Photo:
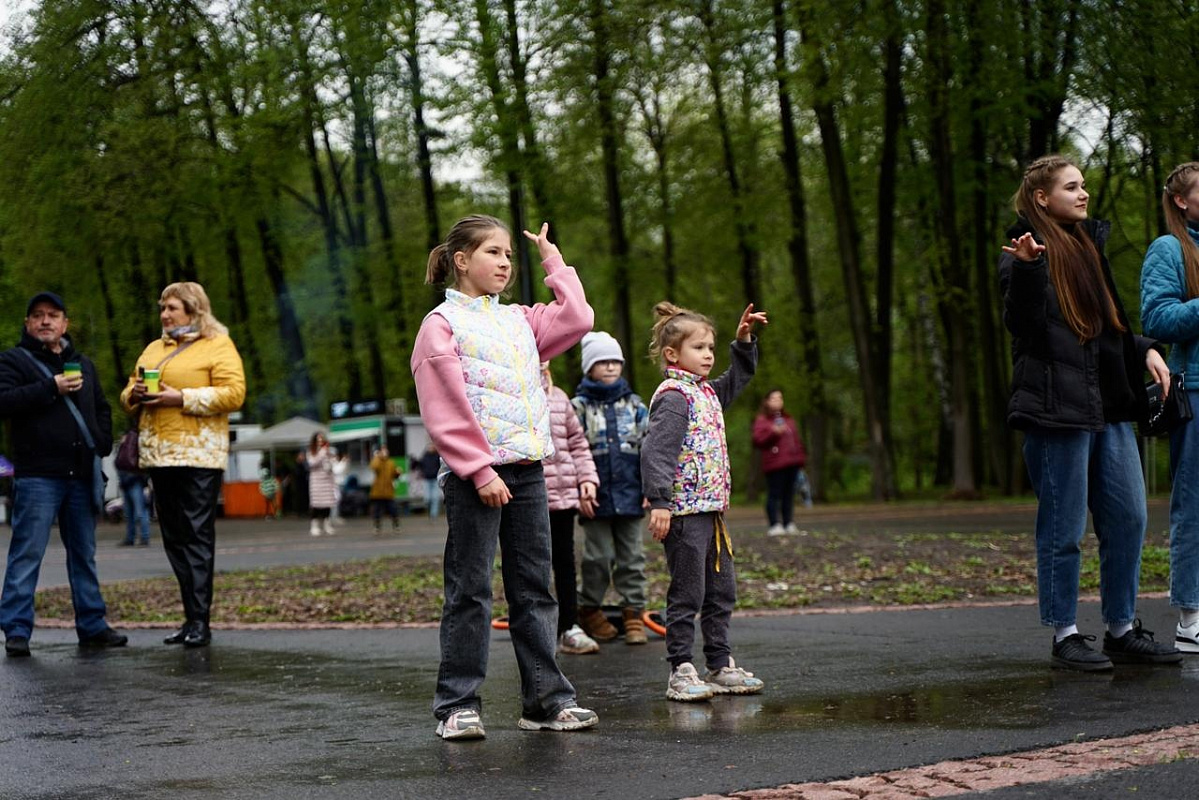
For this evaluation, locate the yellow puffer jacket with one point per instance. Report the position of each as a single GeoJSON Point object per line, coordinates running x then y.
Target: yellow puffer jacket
{"type": "Point", "coordinates": [210, 376]}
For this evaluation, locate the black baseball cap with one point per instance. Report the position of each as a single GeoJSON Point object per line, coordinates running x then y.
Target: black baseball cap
{"type": "Point", "coordinates": [46, 297]}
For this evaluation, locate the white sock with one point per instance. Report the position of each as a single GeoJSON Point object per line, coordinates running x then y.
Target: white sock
{"type": "Point", "coordinates": [1188, 616]}
{"type": "Point", "coordinates": [1119, 630]}
{"type": "Point", "coordinates": [1062, 631]}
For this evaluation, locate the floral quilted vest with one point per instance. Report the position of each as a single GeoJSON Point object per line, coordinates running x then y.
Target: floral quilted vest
{"type": "Point", "coordinates": [501, 366]}
{"type": "Point", "coordinates": [702, 483]}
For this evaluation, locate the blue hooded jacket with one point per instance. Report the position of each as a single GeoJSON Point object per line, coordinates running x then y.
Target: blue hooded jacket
{"type": "Point", "coordinates": [615, 421]}
{"type": "Point", "coordinates": [1167, 314]}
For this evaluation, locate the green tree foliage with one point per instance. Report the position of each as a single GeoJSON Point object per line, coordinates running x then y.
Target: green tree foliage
{"type": "Point", "coordinates": [299, 157]}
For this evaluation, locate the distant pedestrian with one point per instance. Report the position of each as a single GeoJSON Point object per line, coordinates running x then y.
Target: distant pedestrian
{"type": "Point", "coordinates": [429, 465]}
{"type": "Point", "coordinates": [271, 491]}
{"type": "Point", "coordinates": [137, 512]}
{"type": "Point", "coordinates": [685, 471]}
{"type": "Point", "coordinates": [61, 426]}
{"type": "Point", "coordinates": [475, 362]}
{"type": "Point", "coordinates": [1076, 387]}
{"type": "Point", "coordinates": [322, 485]}
{"type": "Point", "coordinates": [570, 481]}
{"type": "Point", "coordinates": [614, 419]}
{"type": "Point", "coordinates": [183, 440]}
{"type": "Point", "coordinates": [1169, 288]}
{"type": "Point", "coordinates": [777, 436]}
{"type": "Point", "coordinates": [383, 489]}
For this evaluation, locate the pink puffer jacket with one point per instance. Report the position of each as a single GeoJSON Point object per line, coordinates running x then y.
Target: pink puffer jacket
{"type": "Point", "coordinates": [571, 462]}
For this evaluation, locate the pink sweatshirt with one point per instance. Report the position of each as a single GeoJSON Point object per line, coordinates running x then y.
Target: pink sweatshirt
{"type": "Point", "coordinates": [441, 388]}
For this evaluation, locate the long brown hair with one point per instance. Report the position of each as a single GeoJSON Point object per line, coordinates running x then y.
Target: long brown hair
{"type": "Point", "coordinates": [1074, 265]}
{"type": "Point", "coordinates": [465, 237]}
{"type": "Point", "coordinates": [1180, 183]}
{"type": "Point", "coordinates": [672, 327]}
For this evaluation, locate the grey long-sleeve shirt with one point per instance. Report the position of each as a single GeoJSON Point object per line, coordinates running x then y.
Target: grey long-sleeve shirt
{"type": "Point", "coordinates": [668, 423]}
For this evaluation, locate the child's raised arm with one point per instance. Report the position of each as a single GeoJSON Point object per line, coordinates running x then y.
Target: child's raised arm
{"type": "Point", "coordinates": [559, 325]}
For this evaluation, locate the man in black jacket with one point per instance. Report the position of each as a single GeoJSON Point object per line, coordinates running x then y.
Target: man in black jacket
{"type": "Point", "coordinates": [61, 426]}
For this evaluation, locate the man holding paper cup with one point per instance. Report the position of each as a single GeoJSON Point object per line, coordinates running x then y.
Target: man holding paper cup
{"type": "Point", "coordinates": [61, 426]}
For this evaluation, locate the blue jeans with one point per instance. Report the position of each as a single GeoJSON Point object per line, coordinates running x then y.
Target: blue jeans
{"type": "Point", "coordinates": [1072, 471]}
{"type": "Point", "coordinates": [522, 528]}
{"type": "Point", "coordinates": [137, 513]}
{"type": "Point", "coordinates": [1184, 513]}
{"type": "Point", "coordinates": [36, 501]}
{"type": "Point", "coordinates": [432, 496]}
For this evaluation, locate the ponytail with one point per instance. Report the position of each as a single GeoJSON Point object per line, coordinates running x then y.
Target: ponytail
{"type": "Point", "coordinates": [1180, 182]}
{"type": "Point", "coordinates": [465, 237]}
{"type": "Point", "coordinates": [672, 327]}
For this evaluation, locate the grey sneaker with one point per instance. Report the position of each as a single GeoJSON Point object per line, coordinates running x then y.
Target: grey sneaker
{"type": "Point", "coordinates": [576, 643]}
{"type": "Point", "coordinates": [733, 680]}
{"type": "Point", "coordinates": [685, 685]}
{"type": "Point", "coordinates": [568, 719]}
{"type": "Point", "coordinates": [462, 724]}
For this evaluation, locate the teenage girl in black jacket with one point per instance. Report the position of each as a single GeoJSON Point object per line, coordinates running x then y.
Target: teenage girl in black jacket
{"type": "Point", "coordinates": [1077, 384]}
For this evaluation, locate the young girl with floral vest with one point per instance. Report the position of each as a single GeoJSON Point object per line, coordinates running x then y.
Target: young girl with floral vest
{"type": "Point", "coordinates": [476, 365]}
{"type": "Point", "coordinates": [685, 477]}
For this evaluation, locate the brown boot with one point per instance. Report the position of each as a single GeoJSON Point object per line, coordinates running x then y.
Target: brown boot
{"type": "Point", "coordinates": [634, 628]}
{"type": "Point", "coordinates": [596, 624]}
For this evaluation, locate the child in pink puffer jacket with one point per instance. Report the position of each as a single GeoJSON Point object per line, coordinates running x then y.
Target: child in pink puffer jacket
{"type": "Point", "coordinates": [570, 483]}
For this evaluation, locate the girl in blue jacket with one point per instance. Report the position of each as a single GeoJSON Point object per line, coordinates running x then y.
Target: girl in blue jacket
{"type": "Point", "coordinates": [1170, 313]}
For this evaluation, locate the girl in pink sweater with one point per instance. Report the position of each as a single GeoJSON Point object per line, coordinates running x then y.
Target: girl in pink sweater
{"type": "Point", "coordinates": [476, 365]}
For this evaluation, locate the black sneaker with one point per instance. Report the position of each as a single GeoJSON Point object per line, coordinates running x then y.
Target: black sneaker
{"type": "Point", "coordinates": [1073, 652]}
{"type": "Point", "coordinates": [105, 638]}
{"type": "Point", "coordinates": [1137, 647]}
{"type": "Point", "coordinates": [17, 646]}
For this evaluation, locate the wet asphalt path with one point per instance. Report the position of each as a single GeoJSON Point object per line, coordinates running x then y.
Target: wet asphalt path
{"type": "Point", "coordinates": [345, 714]}
{"type": "Point", "coordinates": [256, 544]}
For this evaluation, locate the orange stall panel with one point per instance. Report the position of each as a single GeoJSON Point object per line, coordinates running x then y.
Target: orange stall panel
{"type": "Point", "coordinates": [243, 499]}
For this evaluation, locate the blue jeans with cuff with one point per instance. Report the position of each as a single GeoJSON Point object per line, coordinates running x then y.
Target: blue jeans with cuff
{"type": "Point", "coordinates": [1071, 471]}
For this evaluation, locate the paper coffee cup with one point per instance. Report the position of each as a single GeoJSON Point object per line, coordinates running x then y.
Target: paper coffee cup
{"type": "Point", "coordinates": [151, 379]}
{"type": "Point", "coordinates": [72, 369]}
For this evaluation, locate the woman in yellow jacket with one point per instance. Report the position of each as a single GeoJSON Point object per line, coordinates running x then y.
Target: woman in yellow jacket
{"type": "Point", "coordinates": [183, 439]}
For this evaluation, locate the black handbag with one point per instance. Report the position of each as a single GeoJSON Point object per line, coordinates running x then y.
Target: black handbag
{"type": "Point", "coordinates": [127, 452]}
{"type": "Point", "coordinates": [1170, 414]}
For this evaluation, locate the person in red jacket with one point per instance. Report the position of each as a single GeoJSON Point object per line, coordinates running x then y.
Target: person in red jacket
{"type": "Point", "coordinates": [783, 456]}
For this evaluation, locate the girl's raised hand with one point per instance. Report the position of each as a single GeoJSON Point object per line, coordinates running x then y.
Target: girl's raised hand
{"type": "Point", "coordinates": [545, 247]}
{"type": "Point", "coordinates": [1025, 248]}
{"type": "Point", "coordinates": [749, 318]}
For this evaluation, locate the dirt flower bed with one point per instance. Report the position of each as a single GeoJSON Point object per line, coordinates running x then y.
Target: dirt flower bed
{"type": "Point", "coordinates": [812, 569]}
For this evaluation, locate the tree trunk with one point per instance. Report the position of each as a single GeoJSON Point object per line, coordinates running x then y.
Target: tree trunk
{"type": "Point", "coordinates": [883, 486]}
{"type": "Point", "coordinates": [424, 159]}
{"type": "Point", "coordinates": [299, 382]}
{"type": "Point", "coordinates": [816, 416]}
{"type": "Point", "coordinates": [119, 373]}
{"type": "Point", "coordinates": [610, 150]}
{"type": "Point", "coordinates": [341, 305]}
{"type": "Point", "coordinates": [954, 295]}
{"type": "Point", "coordinates": [746, 248]}
{"type": "Point", "coordinates": [535, 166]}
{"type": "Point", "coordinates": [510, 156]}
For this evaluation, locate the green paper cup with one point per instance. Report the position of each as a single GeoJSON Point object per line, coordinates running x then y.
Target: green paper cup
{"type": "Point", "coordinates": [72, 369]}
{"type": "Point", "coordinates": [151, 379]}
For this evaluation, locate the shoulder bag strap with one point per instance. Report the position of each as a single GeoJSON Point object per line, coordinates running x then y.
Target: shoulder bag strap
{"type": "Point", "coordinates": [87, 434]}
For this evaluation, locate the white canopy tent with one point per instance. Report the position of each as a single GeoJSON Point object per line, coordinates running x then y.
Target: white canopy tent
{"type": "Point", "coordinates": [292, 434]}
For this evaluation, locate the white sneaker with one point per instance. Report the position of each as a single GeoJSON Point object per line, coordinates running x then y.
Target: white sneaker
{"type": "Point", "coordinates": [685, 685]}
{"type": "Point", "coordinates": [314, 529]}
{"type": "Point", "coordinates": [776, 530]}
{"type": "Point", "coordinates": [568, 719]}
{"type": "Point", "coordinates": [733, 680]}
{"type": "Point", "coordinates": [576, 643]}
{"type": "Point", "coordinates": [1186, 638]}
{"type": "Point", "coordinates": [790, 528]}
{"type": "Point", "coordinates": [462, 724]}
{"type": "Point", "coordinates": [328, 526]}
